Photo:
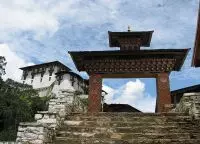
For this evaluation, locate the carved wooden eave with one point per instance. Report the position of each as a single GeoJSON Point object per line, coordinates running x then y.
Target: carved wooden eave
{"type": "Point", "coordinates": [196, 53]}
{"type": "Point", "coordinates": [141, 61]}
{"type": "Point", "coordinates": [70, 73]}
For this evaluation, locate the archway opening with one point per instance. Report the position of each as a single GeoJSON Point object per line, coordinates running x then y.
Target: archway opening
{"type": "Point", "coordinates": [129, 95]}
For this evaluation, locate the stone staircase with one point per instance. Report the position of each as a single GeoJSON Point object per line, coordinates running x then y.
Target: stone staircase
{"type": "Point", "coordinates": [197, 109]}
{"type": "Point", "coordinates": [128, 128]}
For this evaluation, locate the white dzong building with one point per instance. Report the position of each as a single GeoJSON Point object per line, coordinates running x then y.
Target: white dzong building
{"type": "Point", "coordinates": [54, 75]}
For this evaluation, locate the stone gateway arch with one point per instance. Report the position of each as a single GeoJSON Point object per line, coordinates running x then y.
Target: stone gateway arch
{"type": "Point", "coordinates": [129, 62]}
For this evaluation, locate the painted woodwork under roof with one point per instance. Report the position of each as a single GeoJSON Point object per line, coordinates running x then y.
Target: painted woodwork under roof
{"type": "Point", "coordinates": [130, 40]}
{"type": "Point", "coordinates": [71, 73]}
{"type": "Point", "coordinates": [152, 61]}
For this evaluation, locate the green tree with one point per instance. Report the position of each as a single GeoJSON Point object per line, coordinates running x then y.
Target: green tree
{"type": "Point", "coordinates": [18, 103]}
{"type": "Point", "coordinates": [2, 65]}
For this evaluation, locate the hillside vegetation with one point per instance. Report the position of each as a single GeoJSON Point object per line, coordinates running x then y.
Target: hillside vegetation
{"type": "Point", "coordinates": [18, 103]}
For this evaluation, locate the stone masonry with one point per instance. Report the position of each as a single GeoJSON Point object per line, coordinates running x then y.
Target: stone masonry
{"type": "Point", "coordinates": [128, 128]}
{"type": "Point", "coordinates": [46, 123]}
{"type": "Point", "coordinates": [34, 133]}
{"type": "Point", "coordinates": [180, 126]}
{"type": "Point", "coordinates": [189, 103]}
{"type": "Point", "coordinates": [59, 125]}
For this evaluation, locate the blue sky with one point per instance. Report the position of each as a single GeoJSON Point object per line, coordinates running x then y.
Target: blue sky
{"type": "Point", "coordinates": [34, 31]}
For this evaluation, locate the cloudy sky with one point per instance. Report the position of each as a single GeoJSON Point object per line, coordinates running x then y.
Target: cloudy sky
{"type": "Point", "coordinates": [35, 31]}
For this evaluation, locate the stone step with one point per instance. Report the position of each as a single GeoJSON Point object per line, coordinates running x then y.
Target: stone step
{"type": "Point", "coordinates": [127, 114]}
{"type": "Point", "coordinates": [123, 124]}
{"type": "Point", "coordinates": [136, 129]}
{"type": "Point", "coordinates": [61, 140]}
{"type": "Point", "coordinates": [128, 128]}
{"type": "Point", "coordinates": [197, 105]}
{"type": "Point", "coordinates": [197, 102]}
{"type": "Point", "coordinates": [131, 118]}
{"type": "Point", "coordinates": [127, 136]}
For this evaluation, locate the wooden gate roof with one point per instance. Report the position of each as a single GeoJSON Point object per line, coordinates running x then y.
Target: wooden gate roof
{"type": "Point", "coordinates": [139, 61]}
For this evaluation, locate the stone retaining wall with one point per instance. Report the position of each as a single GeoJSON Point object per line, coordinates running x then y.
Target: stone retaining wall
{"type": "Point", "coordinates": [51, 119]}
{"type": "Point", "coordinates": [43, 130]}
{"type": "Point", "coordinates": [61, 102]}
{"type": "Point", "coordinates": [189, 103]}
{"type": "Point", "coordinates": [46, 124]}
{"type": "Point", "coordinates": [34, 133]}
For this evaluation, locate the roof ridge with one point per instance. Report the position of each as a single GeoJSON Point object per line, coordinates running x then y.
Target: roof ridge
{"type": "Point", "coordinates": [46, 63]}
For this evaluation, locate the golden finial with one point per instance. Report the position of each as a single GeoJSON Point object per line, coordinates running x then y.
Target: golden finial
{"type": "Point", "coordinates": [129, 28]}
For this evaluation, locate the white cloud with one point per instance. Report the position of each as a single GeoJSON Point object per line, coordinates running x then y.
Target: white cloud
{"type": "Point", "coordinates": [87, 13]}
{"type": "Point", "coordinates": [46, 29]}
{"type": "Point", "coordinates": [43, 17]}
{"type": "Point", "coordinates": [110, 95]}
{"type": "Point", "coordinates": [132, 93]}
{"type": "Point", "coordinates": [14, 62]}
{"type": "Point", "coordinates": [26, 15]}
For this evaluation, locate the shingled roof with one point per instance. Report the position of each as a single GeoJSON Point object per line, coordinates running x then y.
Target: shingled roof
{"type": "Point", "coordinates": [176, 95]}
{"type": "Point", "coordinates": [46, 64]}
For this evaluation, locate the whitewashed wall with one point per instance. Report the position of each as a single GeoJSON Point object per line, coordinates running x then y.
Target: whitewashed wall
{"type": "Point", "coordinates": [65, 83]}
{"type": "Point", "coordinates": [45, 80]}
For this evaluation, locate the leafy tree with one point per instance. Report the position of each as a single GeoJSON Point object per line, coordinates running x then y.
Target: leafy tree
{"type": "Point", "coordinates": [2, 65]}
{"type": "Point", "coordinates": [18, 103]}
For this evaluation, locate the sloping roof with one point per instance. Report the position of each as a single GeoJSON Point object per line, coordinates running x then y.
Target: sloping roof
{"type": "Point", "coordinates": [119, 108]}
{"type": "Point", "coordinates": [178, 54]}
{"type": "Point", "coordinates": [194, 88]}
{"type": "Point", "coordinates": [144, 35]}
{"type": "Point", "coordinates": [196, 53]}
{"type": "Point", "coordinates": [46, 64]}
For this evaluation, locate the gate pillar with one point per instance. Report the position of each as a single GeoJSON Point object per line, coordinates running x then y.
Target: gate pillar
{"type": "Point", "coordinates": [95, 89]}
{"type": "Point", "coordinates": [163, 91]}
